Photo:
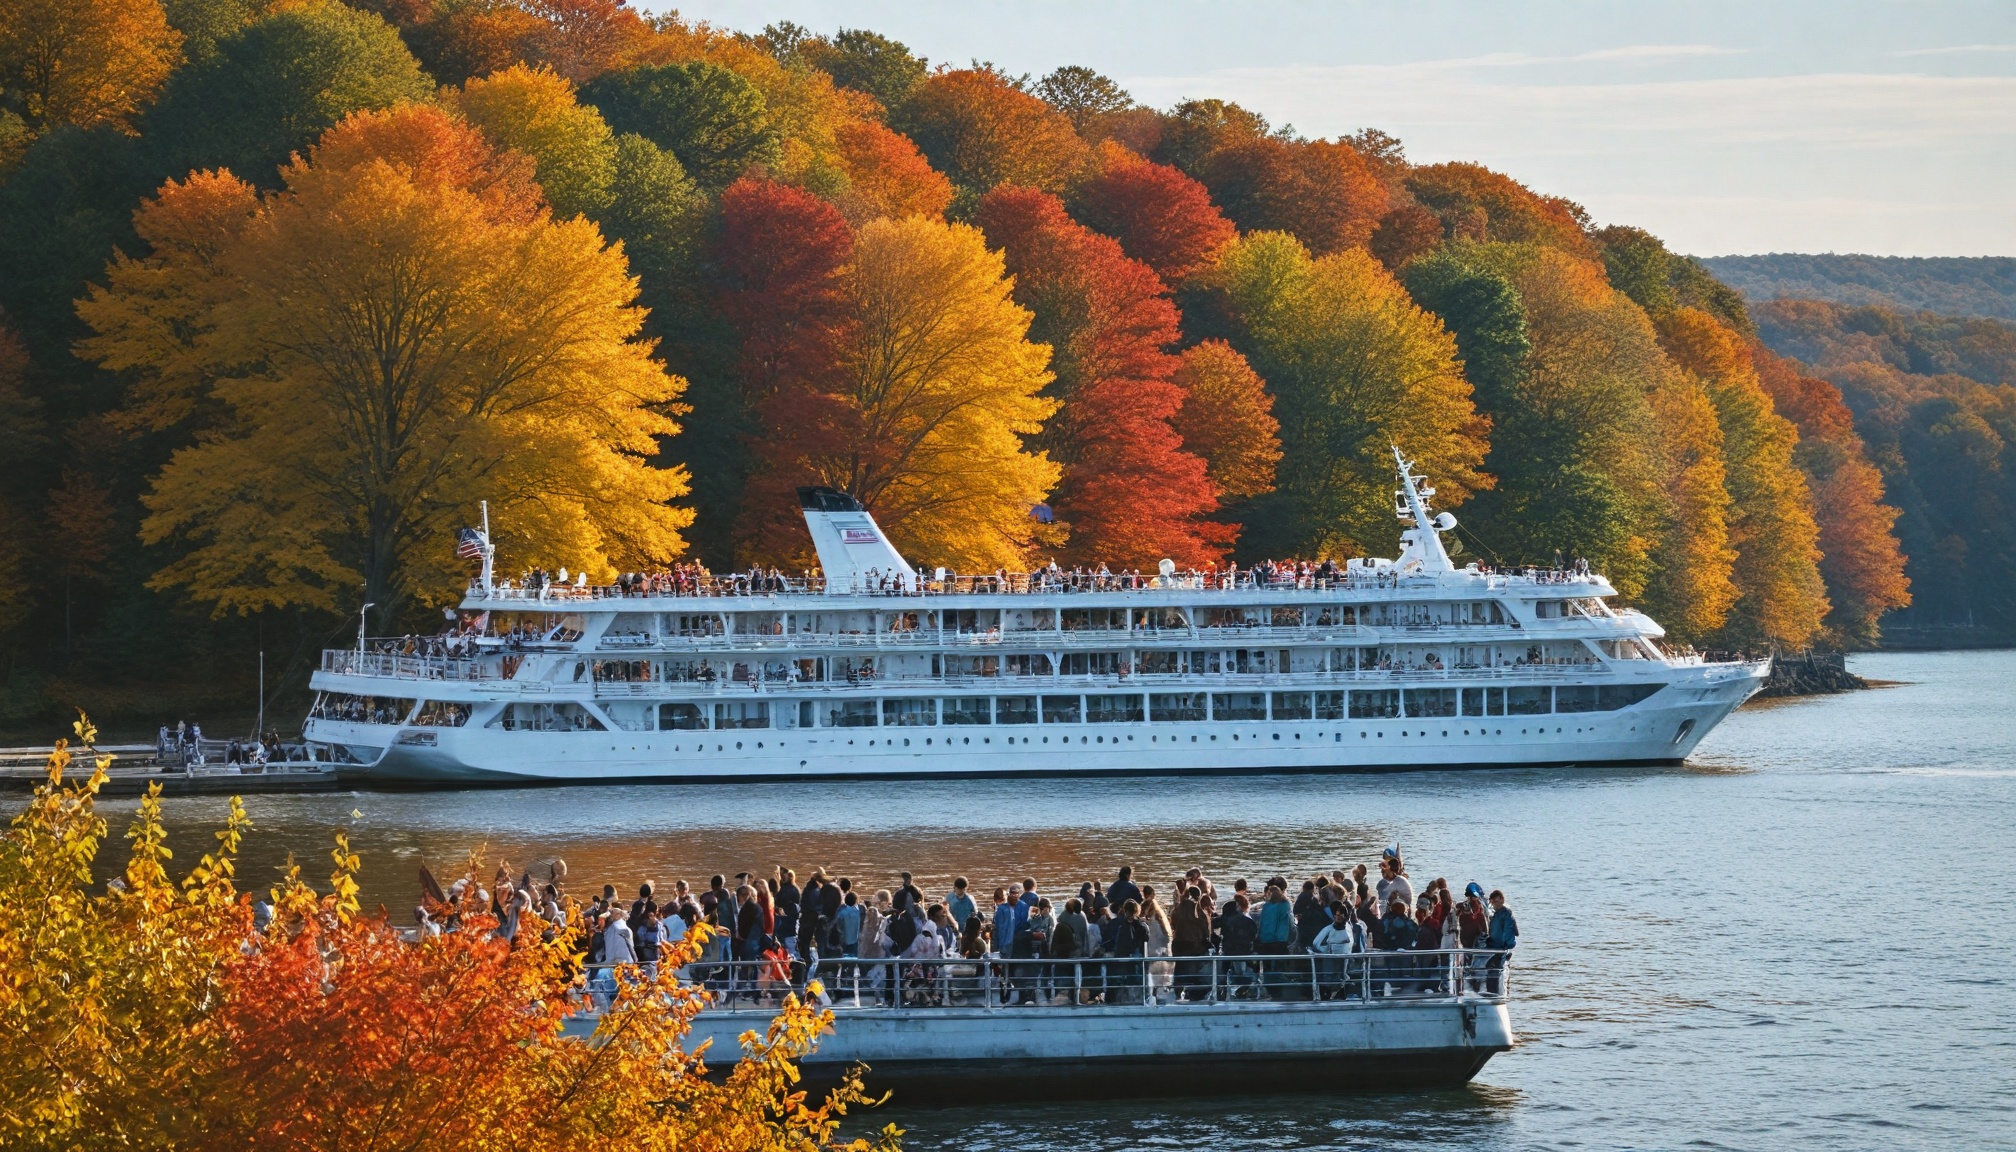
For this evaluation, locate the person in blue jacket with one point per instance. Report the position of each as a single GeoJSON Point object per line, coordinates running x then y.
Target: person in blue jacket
{"type": "Point", "coordinates": [1501, 937]}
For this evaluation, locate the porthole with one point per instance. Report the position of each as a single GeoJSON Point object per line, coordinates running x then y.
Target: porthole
{"type": "Point", "coordinates": [1193, 739]}
{"type": "Point", "coordinates": [759, 744]}
{"type": "Point", "coordinates": [927, 741]}
{"type": "Point", "coordinates": [906, 741]}
{"type": "Point", "coordinates": [1445, 732]}
{"type": "Point", "coordinates": [1214, 736]}
{"type": "Point", "coordinates": [1102, 739]}
{"type": "Point", "coordinates": [1277, 735]}
{"type": "Point", "coordinates": [1046, 739]}
{"type": "Point", "coordinates": [1084, 740]}
{"type": "Point", "coordinates": [965, 739]}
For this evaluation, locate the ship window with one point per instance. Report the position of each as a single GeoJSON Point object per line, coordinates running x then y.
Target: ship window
{"type": "Point", "coordinates": [909, 713]}
{"type": "Point", "coordinates": [1015, 710]}
{"type": "Point", "coordinates": [1292, 705]}
{"type": "Point", "coordinates": [1375, 704]}
{"type": "Point", "coordinates": [1614, 696]}
{"type": "Point", "coordinates": [1060, 710]}
{"type": "Point", "coordinates": [567, 717]}
{"type": "Point", "coordinates": [742, 714]}
{"type": "Point", "coordinates": [1113, 709]}
{"type": "Point", "coordinates": [1575, 698]}
{"type": "Point", "coordinates": [680, 718]}
{"type": "Point", "coordinates": [442, 714]}
{"type": "Point", "coordinates": [1329, 705]}
{"type": "Point", "coordinates": [807, 713]}
{"type": "Point", "coordinates": [1483, 702]}
{"type": "Point", "coordinates": [851, 714]}
{"type": "Point", "coordinates": [1431, 702]}
{"type": "Point", "coordinates": [361, 709]}
{"type": "Point", "coordinates": [967, 710]}
{"type": "Point", "coordinates": [1238, 706]}
{"type": "Point", "coordinates": [1176, 706]}
{"type": "Point", "coordinates": [1527, 701]}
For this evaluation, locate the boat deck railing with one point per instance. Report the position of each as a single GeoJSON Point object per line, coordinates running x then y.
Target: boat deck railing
{"type": "Point", "coordinates": [848, 984]}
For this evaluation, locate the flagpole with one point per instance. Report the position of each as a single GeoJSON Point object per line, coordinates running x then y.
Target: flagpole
{"type": "Point", "coordinates": [488, 552]}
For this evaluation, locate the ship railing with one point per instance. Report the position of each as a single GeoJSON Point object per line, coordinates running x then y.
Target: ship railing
{"type": "Point", "coordinates": [350, 662]}
{"type": "Point", "coordinates": [1027, 638]}
{"type": "Point", "coordinates": [1136, 681]}
{"type": "Point", "coordinates": [1172, 983]}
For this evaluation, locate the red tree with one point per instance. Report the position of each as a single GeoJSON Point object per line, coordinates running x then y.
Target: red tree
{"type": "Point", "coordinates": [1323, 193]}
{"type": "Point", "coordinates": [780, 253]}
{"type": "Point", "coordinates": [1160, 216]}
{"type": "Point", "coordinates": [1130, 493]}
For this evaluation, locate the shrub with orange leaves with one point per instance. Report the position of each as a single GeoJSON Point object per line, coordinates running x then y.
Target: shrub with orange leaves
{"type": "Point", "coordinates": [152, 1014]}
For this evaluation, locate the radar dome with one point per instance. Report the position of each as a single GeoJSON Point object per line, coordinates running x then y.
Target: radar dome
{"type": "Point", "coordinates": [1444, 521]}
{"type": "Point", "coordinates": [1166, 567]}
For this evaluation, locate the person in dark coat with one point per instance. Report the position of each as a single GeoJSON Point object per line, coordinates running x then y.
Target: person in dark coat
{"type": "Point", "coordinates": [1123, 889]}
{"type": "Point", "coordinates": [1241, 938]}
{"type": "Point", "coordinates": [1396, 934]}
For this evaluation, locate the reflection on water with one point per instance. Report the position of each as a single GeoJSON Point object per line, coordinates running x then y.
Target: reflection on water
{"type": "Point", "coordinates": [1798, 938]}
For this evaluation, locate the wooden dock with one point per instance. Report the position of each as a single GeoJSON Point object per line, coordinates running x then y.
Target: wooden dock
{"type": "Point", "coordinates": [135, 766]}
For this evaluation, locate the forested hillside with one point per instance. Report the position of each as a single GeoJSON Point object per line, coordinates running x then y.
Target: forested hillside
{"type": "Point", "coordinates": [1951, 285]}
{"type": "Point", "coordinates": [290, 286]}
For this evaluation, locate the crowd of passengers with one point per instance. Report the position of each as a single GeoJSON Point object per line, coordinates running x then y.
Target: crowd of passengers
{"type": "Point", "coordinates": [695, 580]}
{"type": "Point", "coordinates": [1340, 935]}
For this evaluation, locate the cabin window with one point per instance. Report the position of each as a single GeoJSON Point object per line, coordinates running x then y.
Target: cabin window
{"type": "Point", "coordinates": [742, 714]}
{"type": "Point", "coordinates": [1423, 702]}
{"type": "Point", "coordinates": [967, 710]}
{"type": "Point", "coordinates": [1015, 710]}
{"type": "Point", "coordinates": [1329, 705]}
{"type": "Point", "coordinates": [681, 718]}
{"type": "Point", "coordinates": [1061, 710]}
{"type": "Point", "coordinates": [807, 713]}
{"type": "Point", "coordinates": [1287, 617]}
{"type": "Point", "coordinates": [1293, 706]}
{"type": "Point", "coordinates": [1238, 706]}
{"type": "Point", "coordinates": [1611, 697]}
{"type": "Point", "coordinates": [1375, 704]}
{"type": "Point", "coordinates": [1113, 709]}
{"type": "Point", "coordinates": [851, 714]}
{"type": "Point", "coordinates": [549, 718]}
{"type": "Point", "coordinates": [1176, 706]}
{"type": "Point", "coordinates": [909, 713]}
{"type": "Point", "coordinates": [362, 709]}
{"type": "Point", "coordinates": [1483, 702]}
{"type": "Point", "coordinates": [442, 714]}
{"type": "Point", "coordinates": [1527, 701]}
{"type": "Point", "coordinates": [1575, 698]}
{"type": "Point", "coordinates": [1161, 663]}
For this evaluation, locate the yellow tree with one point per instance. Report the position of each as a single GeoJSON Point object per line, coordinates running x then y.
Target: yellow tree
{"type": "Point", "coordinates": [397, 333]}
{"type": "Point", "coordinates": [1781, 599]}
{"type": "Point", "coordinates": [534, 111]}
{"type": "Point", "coordinates": [83, 62]}
{"type": "Point", "coordinates": [1355, 367]}
{"type": "Point", "coordinates": [940, 388]}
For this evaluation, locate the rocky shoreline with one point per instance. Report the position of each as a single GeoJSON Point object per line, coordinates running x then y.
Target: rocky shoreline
{"type": "Point", "coordinates": [1811, 674]}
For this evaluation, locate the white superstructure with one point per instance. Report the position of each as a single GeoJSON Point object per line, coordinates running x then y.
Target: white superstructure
{"type": "Point", "coordinates": [877, 669]}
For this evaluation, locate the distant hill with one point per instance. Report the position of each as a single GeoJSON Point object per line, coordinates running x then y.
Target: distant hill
{"type": "Point", "coordinates": [1949, 285]}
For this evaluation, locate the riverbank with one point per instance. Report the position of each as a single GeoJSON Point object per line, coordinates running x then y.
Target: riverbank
{"type": "Point", "coordinates": [1813, 674]}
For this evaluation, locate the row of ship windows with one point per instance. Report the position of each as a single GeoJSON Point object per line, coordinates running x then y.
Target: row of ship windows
{"type": "Point", "coordinates": [1212, 737]}
{"type": "Point", "coordinates": [908, 712]}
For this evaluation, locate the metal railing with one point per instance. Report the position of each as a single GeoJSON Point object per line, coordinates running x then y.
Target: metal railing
{"type": "Point", "coordinates": [351, 662]}
{"type": "Point", "coordinates": [992, 982]}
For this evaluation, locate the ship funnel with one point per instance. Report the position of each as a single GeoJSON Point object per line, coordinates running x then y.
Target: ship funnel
{"type": "Point", "coordinates": [853, 552]}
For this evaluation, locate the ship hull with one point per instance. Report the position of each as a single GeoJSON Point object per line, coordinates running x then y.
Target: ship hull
{"type": "Point", "coordinates": [478, 757]}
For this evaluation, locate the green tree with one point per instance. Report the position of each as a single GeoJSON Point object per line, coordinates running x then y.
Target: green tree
{"type": "Point", "coordinates": [277, 85]}
{"type": "Point", "coordinates": [1082, 94]}
{"type": "Point", "coordinates": [711, 119]}
{"type": "Point", "coordinates": [868, 62]}
{"type": "Point", "coordinates": [534, 111]}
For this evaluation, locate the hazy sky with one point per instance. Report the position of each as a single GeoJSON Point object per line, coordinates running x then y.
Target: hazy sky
{"type": "Point", "coordinates": [1723, 127]}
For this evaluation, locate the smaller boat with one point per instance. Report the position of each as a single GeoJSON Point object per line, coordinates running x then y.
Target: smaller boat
{"type": "Point", "coordinates": [934, 1029]}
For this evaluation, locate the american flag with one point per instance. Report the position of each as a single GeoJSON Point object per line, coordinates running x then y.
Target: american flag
{"type": "Point", "coordinates": [469, 544]}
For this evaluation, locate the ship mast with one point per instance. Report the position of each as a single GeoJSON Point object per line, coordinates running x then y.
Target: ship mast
{"type": "Point", "coordinates": [1421, 534]}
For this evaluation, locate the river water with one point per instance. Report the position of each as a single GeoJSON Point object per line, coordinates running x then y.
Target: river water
{"type": "Point", "coordinates": [1803, 937]}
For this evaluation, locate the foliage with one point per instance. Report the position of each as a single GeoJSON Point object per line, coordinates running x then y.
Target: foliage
{"type": "Point", "coordinates": [534, 111]}
{"type": "Point", "coordinates": [151, 1013]}
{"type": "Point", "coordinates": [1355, 368]}
{"type": "Point", "coordinates": [1322, 193]}
{"type": "Point", "coordinates": [870, 63]}
{"type": "Point", "coordinates": [278, 84]}
{"type": "Point", "coordinates": [1953, 286]}
{"type": "Point", "coordinates": [1082, 95]}
{"type": "Point", "coordinates": [887, 175]}
{"type": "Point", "coordinates": [1130, 494]}
{"type": "Point", "coordinates": [1475, 203]}
{"type": "Point", "coordinates": [83, 62]}
{"type": "Point", "coordinates": [1781, 600]}
{"type": "Point", "coordinates": [981, 131]}
{"type": "Point", "coordinates": [499, 362]}
{"type": "Point", "coordinates": [711, 119]}
{"type": "Point", "coordinates": [1160, 216]}
{"type": "Point", "coordinates": [1228, 418]}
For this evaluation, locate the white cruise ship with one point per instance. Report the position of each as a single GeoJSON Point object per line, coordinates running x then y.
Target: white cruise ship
{"type": "Point", "coordinates": [877, 670]}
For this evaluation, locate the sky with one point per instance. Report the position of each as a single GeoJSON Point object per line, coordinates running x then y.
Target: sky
{"type": "Point", "coordinates": [1725, 128]}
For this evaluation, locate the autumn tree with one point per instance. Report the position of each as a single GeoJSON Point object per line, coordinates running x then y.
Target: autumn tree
{"type": "Point", "coordinates": [278, 84]}
{"type": "Point", "coordinates": [1355, 367]}
{"type": "Point", "coordinates": [1321, 192]}
{"type": "Point", "coordinates": [981, 131]}
{"type": "Point", "coordinates": [499, 362]}
{"type": "Point", "coordinates": [1129, 494]}
{"type": "Point", "coordinates": [1860, 560]}
{"type": "Point", "coordinates": [715, 122]}
{"type": "Point", "coordinates": [1228, 418]}
{"type": "Point", "coordinates": [23, 437]}
{"type": "Point", "coordinates": [534, 111]}
{"type": "Point", "coordinates": [887, 175]}
{"type": "Point", "coordinates": [941, 388]}
{"type": "Point", "coordinates": [1475, 203]}
{"type": "Point", "coordinates": [1781, 599]}
{"type": "Point", "coordinates": [1194, 129]}
{"type": "Point", "coordinates": [82, 62]}
{"type": "Point", "coordinates": [1160, 216]}
{"type": "Point", "coordinates": [868, 62]}
{"type": "Point", "coordinates": [1084, 96]}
